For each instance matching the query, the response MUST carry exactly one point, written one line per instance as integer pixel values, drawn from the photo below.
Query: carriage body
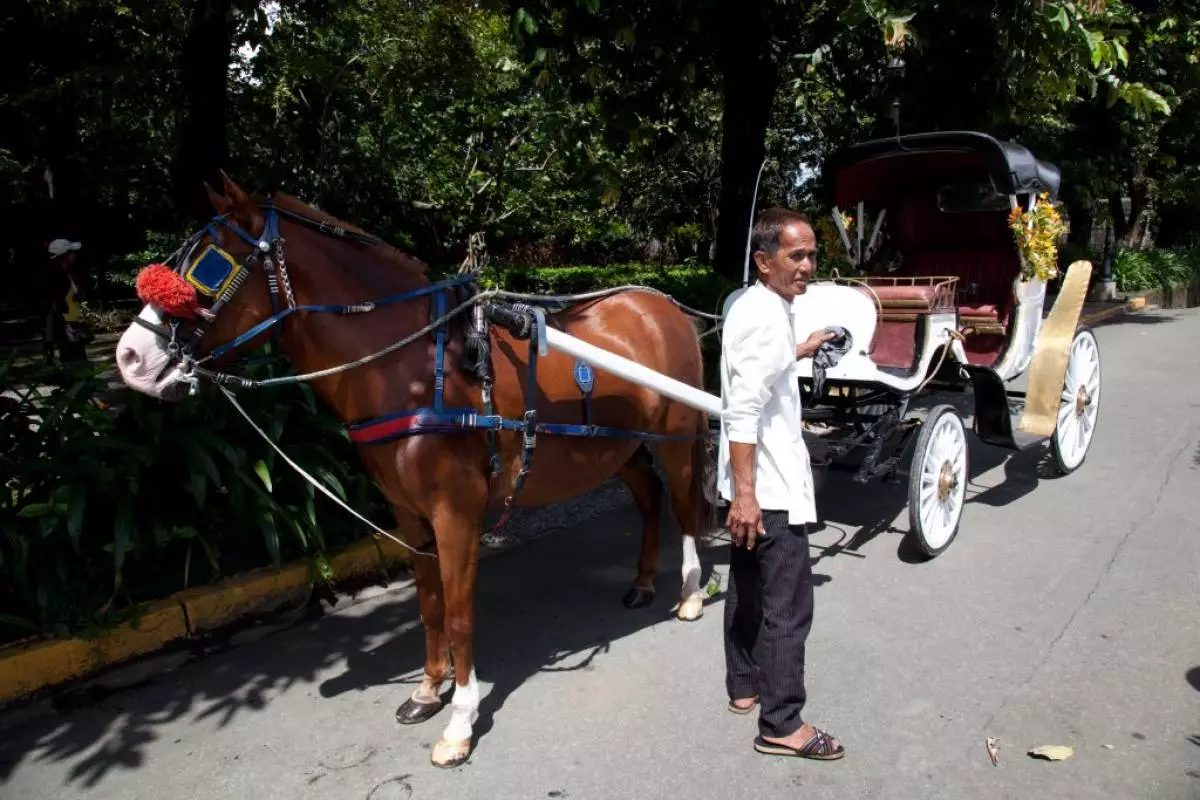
(942, 306)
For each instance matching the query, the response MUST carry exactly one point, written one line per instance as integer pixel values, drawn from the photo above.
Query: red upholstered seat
(916, 297)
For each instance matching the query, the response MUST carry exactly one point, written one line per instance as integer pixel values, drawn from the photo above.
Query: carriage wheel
(937, 482)
(1080, 404)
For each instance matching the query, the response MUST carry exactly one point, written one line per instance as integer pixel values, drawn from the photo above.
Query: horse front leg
(458, 526)
(426, 700)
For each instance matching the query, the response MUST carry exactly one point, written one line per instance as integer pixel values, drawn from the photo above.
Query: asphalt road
(1066, 612)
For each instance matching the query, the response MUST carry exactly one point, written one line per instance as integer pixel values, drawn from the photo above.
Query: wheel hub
(947, 481)
(1082, 400)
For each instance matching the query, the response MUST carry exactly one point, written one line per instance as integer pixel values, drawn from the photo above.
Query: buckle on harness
(529, 428)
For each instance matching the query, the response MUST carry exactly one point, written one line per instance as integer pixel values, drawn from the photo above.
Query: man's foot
(807, 742)
(744, 705)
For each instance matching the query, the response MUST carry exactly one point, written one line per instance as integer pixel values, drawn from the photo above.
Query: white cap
(60, 246)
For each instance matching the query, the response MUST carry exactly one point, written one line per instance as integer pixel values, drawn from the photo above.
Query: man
(765, 474)
(64, 320)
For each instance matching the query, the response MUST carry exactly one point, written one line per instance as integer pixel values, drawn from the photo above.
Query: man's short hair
(768, 226)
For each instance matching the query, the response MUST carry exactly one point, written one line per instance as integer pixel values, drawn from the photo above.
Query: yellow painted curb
(363, 557)
(1099, 316)
(27, 668)
(210, 607)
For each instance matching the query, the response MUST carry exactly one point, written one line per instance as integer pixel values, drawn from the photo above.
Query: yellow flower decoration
(1037, 234)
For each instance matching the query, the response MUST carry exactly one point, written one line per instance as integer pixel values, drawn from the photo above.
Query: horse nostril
(129, 359)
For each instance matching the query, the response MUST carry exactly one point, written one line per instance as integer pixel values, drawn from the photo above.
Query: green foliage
(101, 510)
(1138, 270)
(693, 285)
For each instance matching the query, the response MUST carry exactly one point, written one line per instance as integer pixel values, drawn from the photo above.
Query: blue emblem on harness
(583, 376)
(213, 271)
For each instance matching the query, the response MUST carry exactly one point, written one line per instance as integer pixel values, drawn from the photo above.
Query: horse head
(218, 288)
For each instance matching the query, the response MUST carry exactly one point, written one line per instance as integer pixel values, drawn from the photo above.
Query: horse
(277, 251)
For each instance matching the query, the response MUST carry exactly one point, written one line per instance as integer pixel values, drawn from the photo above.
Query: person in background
(65, 328)
(765, 474)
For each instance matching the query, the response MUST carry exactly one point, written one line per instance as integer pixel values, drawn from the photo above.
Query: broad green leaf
(35, 510)
(78, 504)
(260, 469)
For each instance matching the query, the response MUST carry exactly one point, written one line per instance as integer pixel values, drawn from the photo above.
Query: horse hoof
(447, 754)
(691, 609)
(413, 711)
(638, 597)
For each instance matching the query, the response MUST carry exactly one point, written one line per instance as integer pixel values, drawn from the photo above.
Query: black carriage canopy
(878, 171)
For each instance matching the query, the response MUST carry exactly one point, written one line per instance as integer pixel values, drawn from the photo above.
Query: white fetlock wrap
(691, 599)
(464, 711)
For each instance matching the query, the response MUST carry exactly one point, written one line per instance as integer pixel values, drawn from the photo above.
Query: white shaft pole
(633, 372)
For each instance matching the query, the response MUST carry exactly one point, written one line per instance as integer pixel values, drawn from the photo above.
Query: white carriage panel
(827, 305)
(1027, 322)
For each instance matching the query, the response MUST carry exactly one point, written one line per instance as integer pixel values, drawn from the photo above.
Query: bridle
(217, 274)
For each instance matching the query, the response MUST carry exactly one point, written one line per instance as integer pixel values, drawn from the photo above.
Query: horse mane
(388, 252)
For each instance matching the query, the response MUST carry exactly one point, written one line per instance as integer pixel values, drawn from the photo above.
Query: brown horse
(438, 483)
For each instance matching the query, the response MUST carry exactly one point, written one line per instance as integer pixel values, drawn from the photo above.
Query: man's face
(788, 269)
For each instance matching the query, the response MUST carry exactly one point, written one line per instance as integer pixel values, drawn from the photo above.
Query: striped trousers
(768, 614)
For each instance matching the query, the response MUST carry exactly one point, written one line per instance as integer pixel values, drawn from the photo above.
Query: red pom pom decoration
(160, 285)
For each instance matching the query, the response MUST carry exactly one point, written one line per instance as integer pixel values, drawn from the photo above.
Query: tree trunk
(204, 144)
(1127, 230)
(749, 81)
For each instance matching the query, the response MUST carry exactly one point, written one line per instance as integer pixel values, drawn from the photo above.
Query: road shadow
(881, 506)
(1193, 678)
(1157, 317)
(552, 604)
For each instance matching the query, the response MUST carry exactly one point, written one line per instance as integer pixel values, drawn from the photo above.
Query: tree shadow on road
(881, 506)
(537, 605)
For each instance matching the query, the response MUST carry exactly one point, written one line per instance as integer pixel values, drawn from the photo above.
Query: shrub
(102, 510)
(1138, 270)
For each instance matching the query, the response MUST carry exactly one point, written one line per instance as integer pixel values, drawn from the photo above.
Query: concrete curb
(29, 667)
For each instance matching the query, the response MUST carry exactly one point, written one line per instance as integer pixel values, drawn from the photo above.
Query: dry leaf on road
(1053, 752)
(993, 746)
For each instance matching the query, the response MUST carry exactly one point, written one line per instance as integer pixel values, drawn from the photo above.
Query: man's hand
(745, 517)
(812, 344)
(745, 520)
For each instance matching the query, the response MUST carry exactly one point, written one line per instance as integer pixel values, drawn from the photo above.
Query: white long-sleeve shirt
(761, 389)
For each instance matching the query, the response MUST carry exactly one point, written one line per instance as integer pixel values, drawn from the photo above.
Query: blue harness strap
(439, 368)
(585, 380)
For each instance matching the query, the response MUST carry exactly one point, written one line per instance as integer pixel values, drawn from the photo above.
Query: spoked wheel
(1080, 404)
(937, 483)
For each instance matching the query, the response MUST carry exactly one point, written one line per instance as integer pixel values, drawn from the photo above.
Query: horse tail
(704, 480)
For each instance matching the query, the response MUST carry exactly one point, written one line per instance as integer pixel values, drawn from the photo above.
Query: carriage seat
(901, 302)
(985, 279)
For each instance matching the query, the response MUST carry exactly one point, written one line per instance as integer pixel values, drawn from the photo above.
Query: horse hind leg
(638, 474)
(685, 465)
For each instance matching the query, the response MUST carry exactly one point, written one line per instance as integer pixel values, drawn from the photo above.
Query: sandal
(736, 709)
(819, 748)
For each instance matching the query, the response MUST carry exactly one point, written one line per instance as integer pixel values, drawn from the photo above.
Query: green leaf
(35, 510)
(271, 536)
(75, 511)
(260, 469)
(197, 486)
(123, 531)
(1122, 53)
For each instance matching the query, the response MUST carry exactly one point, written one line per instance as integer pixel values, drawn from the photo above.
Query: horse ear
(220, 203)
(233, 190)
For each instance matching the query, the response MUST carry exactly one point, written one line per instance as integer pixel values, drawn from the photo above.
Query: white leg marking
(464, 711)
(691, 600)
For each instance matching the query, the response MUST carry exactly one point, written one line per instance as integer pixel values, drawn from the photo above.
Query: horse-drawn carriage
(946, 304)
(446, 387)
